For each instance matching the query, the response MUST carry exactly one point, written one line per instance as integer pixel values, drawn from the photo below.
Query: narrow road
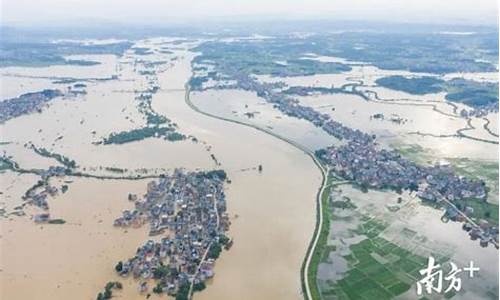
(319, 208)
(190, 294)
(468, 219)
(319, 224)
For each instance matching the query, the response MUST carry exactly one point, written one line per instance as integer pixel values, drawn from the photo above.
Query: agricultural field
(379, 269)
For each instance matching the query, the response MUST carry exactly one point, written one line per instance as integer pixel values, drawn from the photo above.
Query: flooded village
(153, 189)
(361, 160)
(188, 211)
(75, 206)
(26, 103)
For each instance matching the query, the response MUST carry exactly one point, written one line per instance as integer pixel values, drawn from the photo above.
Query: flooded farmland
(124, 121)
(272, 211)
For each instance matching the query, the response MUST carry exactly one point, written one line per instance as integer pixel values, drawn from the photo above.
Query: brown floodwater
(273, 212)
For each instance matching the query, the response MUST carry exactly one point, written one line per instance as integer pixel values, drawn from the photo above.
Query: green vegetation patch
(372, 228)
(399, 288)
(379, 269)
(412, 85)
(57, 221)
(133, 135)
(142, 51)
(472, 93)
(425, 52)
(415, 52)
(108, 290)
(275, 57)
(69, 163)
(6, 164)
(343, 204)
(321, 249)
(41, 53)
(482, 209)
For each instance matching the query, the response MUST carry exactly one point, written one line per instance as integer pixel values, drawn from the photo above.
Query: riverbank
(271, 212)
(307, 273)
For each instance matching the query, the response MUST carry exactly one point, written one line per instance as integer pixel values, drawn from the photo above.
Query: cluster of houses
(54, 171)
(37, 195)
(41, 218)
(188, 210)
(35, 101)
(393, 118)
(368, 166)
(26, 103)
(482, 231)
(360, 160)
(77, 89)
(271, 92)
(291, 107)
(481, 111)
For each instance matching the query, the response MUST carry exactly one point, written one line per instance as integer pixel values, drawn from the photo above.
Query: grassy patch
(413, 85)
(469, 92)
(379, 269)
(482, 209)
(321, 247)
(143, 133)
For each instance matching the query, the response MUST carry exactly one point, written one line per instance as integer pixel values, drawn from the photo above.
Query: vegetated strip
(319, 227)
(315, 249)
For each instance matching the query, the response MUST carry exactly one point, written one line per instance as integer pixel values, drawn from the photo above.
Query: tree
(215, 250)
(200, 286)
(223, 239)
(158, 289)
(183, 292)
(108, 294)
(119, 267)
(160, 272)
(413, 187)
(109, 286)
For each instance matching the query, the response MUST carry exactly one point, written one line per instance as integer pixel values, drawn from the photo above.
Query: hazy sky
(433, 11)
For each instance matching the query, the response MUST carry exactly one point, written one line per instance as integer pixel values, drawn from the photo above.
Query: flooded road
(272, 212)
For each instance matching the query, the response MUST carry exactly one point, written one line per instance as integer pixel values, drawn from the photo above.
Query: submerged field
(132, 111)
